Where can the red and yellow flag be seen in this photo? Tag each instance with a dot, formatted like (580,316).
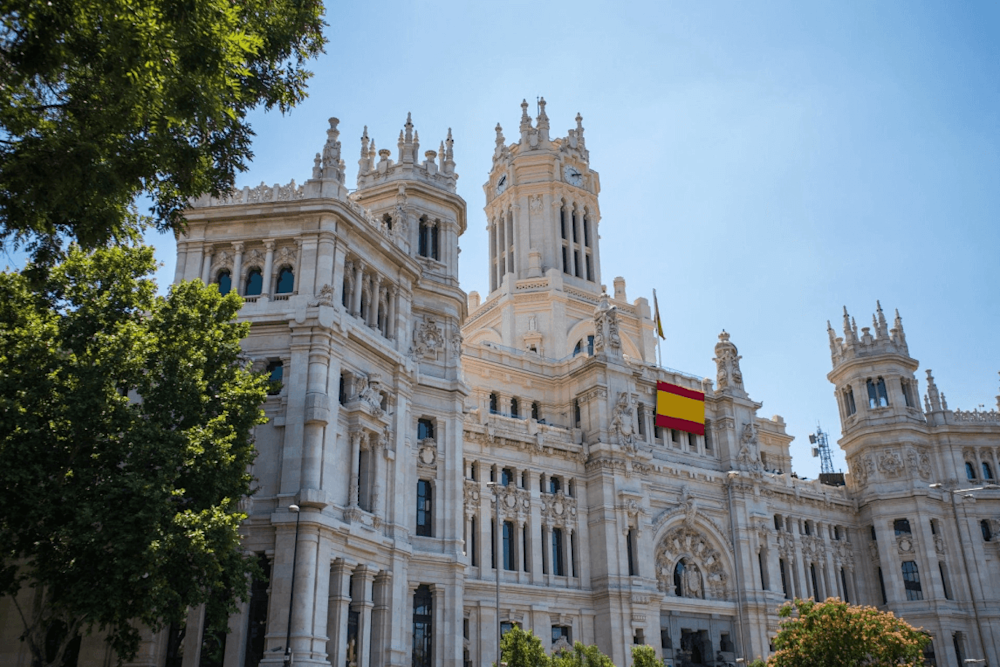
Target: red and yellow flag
(680,408)
(659,322)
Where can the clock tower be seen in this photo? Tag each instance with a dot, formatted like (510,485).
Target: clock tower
(542,208)
(543,220)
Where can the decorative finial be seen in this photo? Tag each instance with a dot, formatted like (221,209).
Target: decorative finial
(579,123)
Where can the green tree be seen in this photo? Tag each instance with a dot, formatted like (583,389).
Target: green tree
(521,648)
(125,448)
(581,656)
(102,101)
(816,634)
(644,655)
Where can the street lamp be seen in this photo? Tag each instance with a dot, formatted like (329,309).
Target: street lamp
(966,493)
(496,553)
(291,598)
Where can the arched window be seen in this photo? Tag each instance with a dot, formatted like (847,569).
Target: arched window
(428,241)
(911,581)
(970,470)
(987,472)
(515,408)
(225,281)
(387,219)
(849,404)
(679,578)
(286,281)
(984,526)
(883,395)
(255,283)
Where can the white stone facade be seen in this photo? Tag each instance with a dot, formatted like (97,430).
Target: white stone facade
(402,399)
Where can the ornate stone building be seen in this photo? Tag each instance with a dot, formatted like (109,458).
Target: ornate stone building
(410,417)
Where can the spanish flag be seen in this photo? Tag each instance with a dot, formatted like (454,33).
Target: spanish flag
(680,408)
(659,322)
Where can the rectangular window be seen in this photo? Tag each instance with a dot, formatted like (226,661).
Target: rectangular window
(565,258)
(630,546)
(493,544)
(257,613)
(425,429)
(784,578)
(424,508)
(545,552)
(557,553)
(881,585)
(944,581)
(508,546)
(506,477)
(902,527)
(815,584)
(843,585)
(525,548)
(474,541)
(590,271)
(763,570)
(911,581)
(561,632)
(423,630)
(641,419)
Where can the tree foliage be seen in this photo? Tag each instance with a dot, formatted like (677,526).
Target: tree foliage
(644,655)
(125,447)
(817,634)
(581,656)
(521,648)
(104,100)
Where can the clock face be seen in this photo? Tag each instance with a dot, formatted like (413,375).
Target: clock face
(573,175)
(502,184)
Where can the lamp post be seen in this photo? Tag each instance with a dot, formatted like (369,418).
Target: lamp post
(496,553)
(291,598)
(966,493)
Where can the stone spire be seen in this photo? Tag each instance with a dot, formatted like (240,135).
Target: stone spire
(448,163)
(727,362)
(834,345)
(932,393)
(542,121)
(850,333)
(896,333)
(364,163)
(331,153)
(881,327)
(500,143)
(525,122)
(998,397)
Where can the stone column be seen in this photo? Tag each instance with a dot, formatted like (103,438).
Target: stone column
(390,325)
(373,303)
(381,617)
(317,416)
(181,261)
(361,601)
(339,602)
(579,242)
(206,265)
(359,268)
(309,615)
(238,267)
(377,448)
(356,437)
(268,265)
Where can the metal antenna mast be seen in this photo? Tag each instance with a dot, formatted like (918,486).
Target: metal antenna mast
(821,448)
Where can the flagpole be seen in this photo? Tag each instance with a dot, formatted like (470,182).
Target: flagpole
(658,324)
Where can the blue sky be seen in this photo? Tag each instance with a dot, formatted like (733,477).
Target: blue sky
(762,164)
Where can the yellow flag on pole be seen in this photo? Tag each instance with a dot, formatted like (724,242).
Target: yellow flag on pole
(659,322)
